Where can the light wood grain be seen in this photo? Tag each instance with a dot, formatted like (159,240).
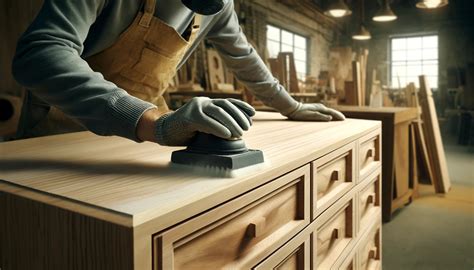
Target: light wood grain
(219,238)
(369,199)
(334,236)
(333,176)
(138,180)
(369,251)
(441,179)
(293,255)
(133,185)
(35,235)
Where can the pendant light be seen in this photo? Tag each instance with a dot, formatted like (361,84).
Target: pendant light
(362,32)
(431,4)
(337,9)
(385,13)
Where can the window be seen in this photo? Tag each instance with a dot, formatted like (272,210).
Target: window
(280,40)
(414,56)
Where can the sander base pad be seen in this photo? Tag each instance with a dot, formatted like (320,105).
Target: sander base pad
(230,161)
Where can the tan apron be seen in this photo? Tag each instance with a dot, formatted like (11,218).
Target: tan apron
(143,62)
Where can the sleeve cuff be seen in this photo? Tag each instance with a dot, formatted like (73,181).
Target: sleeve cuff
(283,102)
(125,112)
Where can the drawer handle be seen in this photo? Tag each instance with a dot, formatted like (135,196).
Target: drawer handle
(371,198)
(336,175)
(371,153)
(255,229)
(335,234)
(373,253)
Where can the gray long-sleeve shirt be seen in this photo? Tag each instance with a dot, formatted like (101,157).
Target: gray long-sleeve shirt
(50,59)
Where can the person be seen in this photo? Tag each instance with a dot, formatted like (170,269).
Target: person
(106,64)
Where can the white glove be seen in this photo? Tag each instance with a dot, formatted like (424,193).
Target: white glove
(225,118)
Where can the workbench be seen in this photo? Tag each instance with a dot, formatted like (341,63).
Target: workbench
(81,201)
(397,161)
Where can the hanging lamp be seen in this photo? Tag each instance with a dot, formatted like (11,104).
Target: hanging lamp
(362,32)
(385,13)
(337,9)
(431,4)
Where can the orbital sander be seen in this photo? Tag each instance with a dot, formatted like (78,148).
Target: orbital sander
(207,150)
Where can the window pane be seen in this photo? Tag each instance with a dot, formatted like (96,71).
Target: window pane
(411,79)
(287,38)
(399,56)
(414,70)
(300,67)
(430,42)
(433,81)
(399,44)
(430,70)
(430,54)
(300,42)
(414,43)
(398,71)
(300,54)
(273,33)
(286,48)
(414,55)
(273,48)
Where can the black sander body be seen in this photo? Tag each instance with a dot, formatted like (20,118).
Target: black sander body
(211,151)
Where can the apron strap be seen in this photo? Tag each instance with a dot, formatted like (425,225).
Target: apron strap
(148,13)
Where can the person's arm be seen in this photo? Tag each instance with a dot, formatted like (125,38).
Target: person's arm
(48,62)
(232,45)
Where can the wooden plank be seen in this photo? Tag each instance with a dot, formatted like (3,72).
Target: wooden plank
(287,61)
(35,235)
(435,148)
(357,79)
(216,69)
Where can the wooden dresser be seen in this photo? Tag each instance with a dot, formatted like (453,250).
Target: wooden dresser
(81,201)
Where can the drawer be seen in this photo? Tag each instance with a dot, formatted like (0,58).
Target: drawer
(370,250)
(349,263)
(369,200)
(332,237)
(369,154)
(293,255)
(333,176)
(242,232)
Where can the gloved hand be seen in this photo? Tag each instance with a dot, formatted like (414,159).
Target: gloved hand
(225,118)
(289,107)
(315,112)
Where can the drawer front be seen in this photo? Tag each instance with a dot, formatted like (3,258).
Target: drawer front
(240,233)
(369,200)
(369,154)
(370,250)
(348,264)
(333,176)
(332,238)
(294,255)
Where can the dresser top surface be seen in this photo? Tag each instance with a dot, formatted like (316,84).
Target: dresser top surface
(137,182)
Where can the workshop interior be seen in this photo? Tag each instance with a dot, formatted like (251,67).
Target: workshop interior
(236,134)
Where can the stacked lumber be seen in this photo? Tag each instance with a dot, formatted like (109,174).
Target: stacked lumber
(434,145)
(283,68)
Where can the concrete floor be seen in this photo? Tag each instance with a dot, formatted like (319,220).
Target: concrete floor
(436,231)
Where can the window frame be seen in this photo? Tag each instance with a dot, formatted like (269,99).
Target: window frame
(306,37)
(411,35)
